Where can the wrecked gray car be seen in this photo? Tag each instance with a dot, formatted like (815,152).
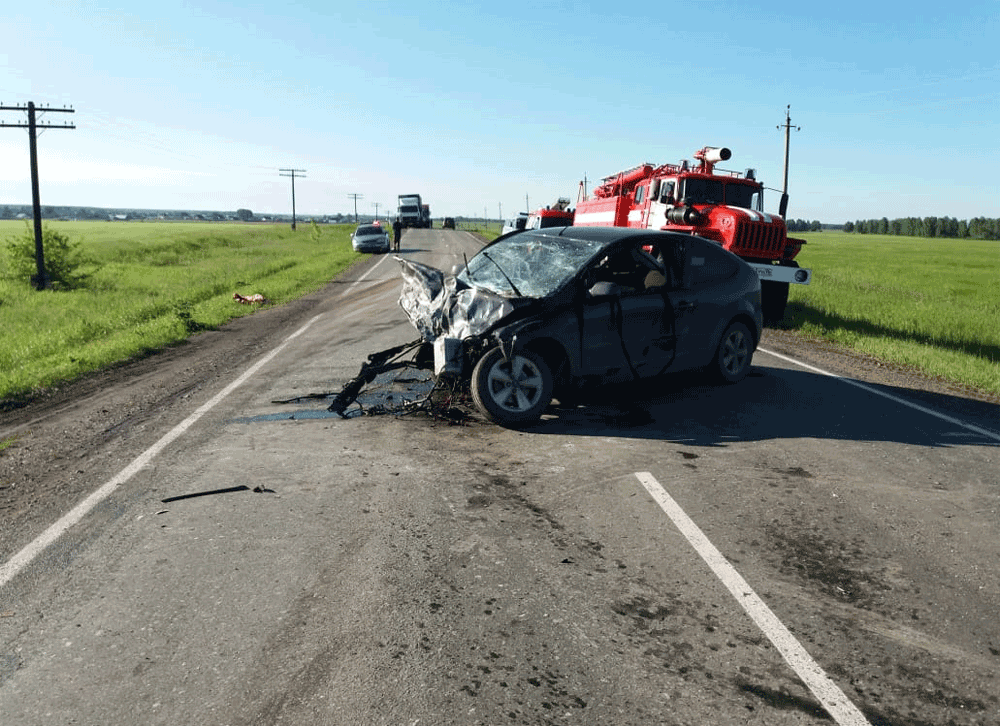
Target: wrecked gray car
(544,314)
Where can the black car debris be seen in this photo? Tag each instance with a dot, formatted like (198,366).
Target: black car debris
(547,313)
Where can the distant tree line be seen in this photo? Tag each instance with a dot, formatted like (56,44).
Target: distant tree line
(949,227)
(801,225)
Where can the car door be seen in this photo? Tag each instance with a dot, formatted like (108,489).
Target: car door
(627,325)
(647,331)
(700,301)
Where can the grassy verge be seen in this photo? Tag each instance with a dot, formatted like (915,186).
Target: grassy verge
(487,230)
(150,285)
(930,304)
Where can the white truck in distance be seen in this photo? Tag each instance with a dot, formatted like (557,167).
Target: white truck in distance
(412,212)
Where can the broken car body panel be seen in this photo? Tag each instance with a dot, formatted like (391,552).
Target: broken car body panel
(437,306)
(445,315)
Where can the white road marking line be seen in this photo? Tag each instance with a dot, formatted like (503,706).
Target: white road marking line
(23,558)
(369,273)
(895,399)
(843,711)
(19,561)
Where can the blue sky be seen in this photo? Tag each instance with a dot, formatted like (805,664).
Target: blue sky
(480,105)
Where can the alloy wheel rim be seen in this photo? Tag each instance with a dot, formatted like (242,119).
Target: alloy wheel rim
(734,352)
(515,385)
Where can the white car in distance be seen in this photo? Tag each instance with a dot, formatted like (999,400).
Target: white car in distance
(370,238)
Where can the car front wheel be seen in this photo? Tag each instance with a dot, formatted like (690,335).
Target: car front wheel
(511,392)
(735,353)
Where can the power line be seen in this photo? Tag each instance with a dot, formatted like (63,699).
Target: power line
(41,279)
(783,208)
(292,173)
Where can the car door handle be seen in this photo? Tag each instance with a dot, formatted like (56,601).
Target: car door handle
(685,306)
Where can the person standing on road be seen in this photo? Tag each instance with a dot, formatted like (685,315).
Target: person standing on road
(396,232)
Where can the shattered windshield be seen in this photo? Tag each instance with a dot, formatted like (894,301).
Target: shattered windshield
(528,265)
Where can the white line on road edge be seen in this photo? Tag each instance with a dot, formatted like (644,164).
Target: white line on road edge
(19,561)
(369,273)
(896,399)
(9,569)
(830,696)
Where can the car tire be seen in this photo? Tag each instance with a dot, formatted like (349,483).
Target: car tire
(511,392)
(734,354)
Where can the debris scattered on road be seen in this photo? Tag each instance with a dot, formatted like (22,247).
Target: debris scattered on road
(398,381)
(390,384)
(259,489)
(226,490)
(377,364)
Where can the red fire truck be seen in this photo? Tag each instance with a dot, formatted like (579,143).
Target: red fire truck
(554,215)
(724,206)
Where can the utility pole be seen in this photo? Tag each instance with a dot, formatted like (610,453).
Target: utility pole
(783,207)
(293,173)
(375,204)
(41,279)
(356,197)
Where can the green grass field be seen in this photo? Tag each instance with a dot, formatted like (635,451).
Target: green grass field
(933,304)
(488,230)
(930,304)
(151,285)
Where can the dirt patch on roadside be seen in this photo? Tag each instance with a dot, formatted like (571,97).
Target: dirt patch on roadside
(847,362)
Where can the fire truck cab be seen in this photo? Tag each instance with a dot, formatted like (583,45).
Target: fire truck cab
(556,215)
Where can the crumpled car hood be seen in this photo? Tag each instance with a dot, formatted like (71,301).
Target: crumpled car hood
(438,309)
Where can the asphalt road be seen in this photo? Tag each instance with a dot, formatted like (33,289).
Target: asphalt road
(795,549)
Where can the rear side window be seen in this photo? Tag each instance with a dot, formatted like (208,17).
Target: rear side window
(707,263)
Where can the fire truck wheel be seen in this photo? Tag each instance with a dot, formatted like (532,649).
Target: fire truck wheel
(735,354)
(511,392)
